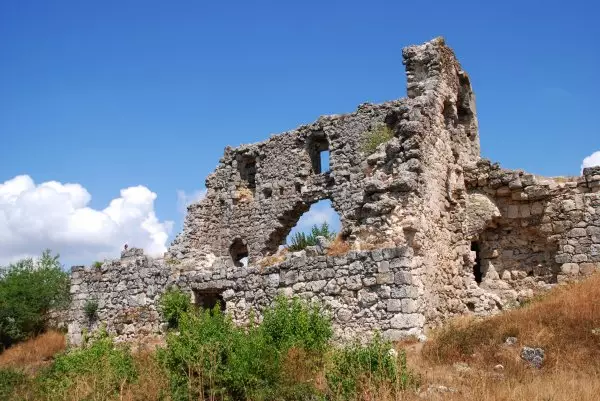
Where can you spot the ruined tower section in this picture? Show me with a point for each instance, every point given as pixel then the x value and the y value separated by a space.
pixel 259 191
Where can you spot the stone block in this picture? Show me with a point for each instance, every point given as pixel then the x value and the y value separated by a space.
pixel 384 278
pixel 403 278
pixel 407 321
pixel 394 305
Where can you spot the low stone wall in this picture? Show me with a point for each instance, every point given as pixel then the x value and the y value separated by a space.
pixel 127 292
pixel 364 291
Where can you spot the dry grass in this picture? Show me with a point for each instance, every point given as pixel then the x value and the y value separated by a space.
pixel 152 383
pixel 564 323
pixel 338 247
pixel 273 259
pixel 34 353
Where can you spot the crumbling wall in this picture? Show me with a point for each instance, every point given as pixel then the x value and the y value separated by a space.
pixel 547 230
pixel 435 231
pixel 363 291
pixel 126 291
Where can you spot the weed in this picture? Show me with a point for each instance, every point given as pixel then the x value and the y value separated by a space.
pixel 10 381
pixel 172 304
pixel 96 371
pixel 91 309
pixel 97 265
pixel 357 368
pixel 375 137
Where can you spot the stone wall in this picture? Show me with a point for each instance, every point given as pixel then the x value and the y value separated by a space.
pixel 434 230
pixel 126 290
pixel 363 291
pixel 543 231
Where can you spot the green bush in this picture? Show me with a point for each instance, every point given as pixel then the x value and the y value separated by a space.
pixel 300 240
pixel 107 365
pixel 291 322
pixel 375 137
pixel 211 356
pixel 10 381
pixel 97 264
pixel 91 309
pixel 28 291
pixel 172 304
pixel 357 367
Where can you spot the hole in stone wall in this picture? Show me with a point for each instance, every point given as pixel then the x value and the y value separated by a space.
pixel 318 149
pixel 247 170
pixel 208 299
pixel 281 191
pixel 318 213
pixel 239 253
pixel 477 272
pixel 267 192
pixel 471 306
pixel 464 102
pixel 298 187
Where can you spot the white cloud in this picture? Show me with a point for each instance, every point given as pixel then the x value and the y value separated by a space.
pixel 591 161
pixel 53 215
pixel 184 199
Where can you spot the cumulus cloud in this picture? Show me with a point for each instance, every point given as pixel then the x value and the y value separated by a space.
pixel 185 199
pixel 591 161
pixel 53 215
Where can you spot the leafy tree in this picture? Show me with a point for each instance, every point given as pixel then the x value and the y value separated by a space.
pixel 301 240
pixel 29 289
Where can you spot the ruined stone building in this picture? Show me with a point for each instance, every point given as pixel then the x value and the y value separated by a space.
pixel 432 229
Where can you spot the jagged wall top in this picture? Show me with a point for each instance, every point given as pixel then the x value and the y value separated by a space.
pixel 259 191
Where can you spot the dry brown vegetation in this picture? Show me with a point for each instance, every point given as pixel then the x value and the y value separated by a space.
pixel 33 353
pixel 459 362
pixel 338 247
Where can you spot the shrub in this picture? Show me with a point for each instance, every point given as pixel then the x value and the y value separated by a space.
pixel 196 354
pixel 97 264
pixel 172 304
pixel 210 356
pixel 91 309
pixel 10 381
pixel 28 291
pixel 357 368
pixel 103 366
pixel 291 322
pixel 375 137
pixel 301 240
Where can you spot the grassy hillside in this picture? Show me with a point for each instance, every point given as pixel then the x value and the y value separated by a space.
pixel 468 359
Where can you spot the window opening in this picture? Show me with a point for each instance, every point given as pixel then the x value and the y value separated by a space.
pixel 318 149
pixel 247 170
pixel 477 272
pixel 239 253
pixel 208 299
pixel 319 213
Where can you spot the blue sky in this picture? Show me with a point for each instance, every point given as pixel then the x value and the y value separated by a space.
pixel 118 94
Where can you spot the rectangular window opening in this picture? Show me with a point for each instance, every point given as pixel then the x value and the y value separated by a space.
pixel 208 299
pixel 477 271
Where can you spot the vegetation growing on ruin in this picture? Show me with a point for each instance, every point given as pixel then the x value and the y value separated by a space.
pixel 173 304
pixel 301 240
pixel 379 134
pixel 90 309
pixel 29 289
pixel 212 359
